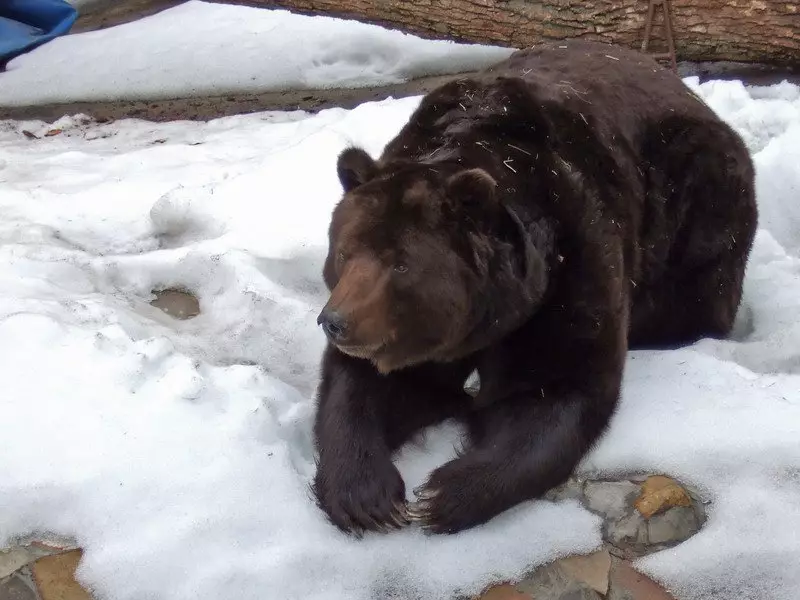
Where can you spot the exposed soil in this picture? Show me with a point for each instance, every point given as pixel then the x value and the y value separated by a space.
pixel 211 107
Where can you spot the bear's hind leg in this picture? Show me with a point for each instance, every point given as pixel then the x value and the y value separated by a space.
pixel 702 176
pixel 702 303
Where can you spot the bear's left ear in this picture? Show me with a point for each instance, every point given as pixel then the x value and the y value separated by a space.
pixel 355 167
pixel 474 189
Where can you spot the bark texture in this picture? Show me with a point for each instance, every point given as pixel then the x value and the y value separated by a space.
pixel 735 30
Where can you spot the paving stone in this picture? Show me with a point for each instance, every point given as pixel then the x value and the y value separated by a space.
pixel 571 490
pixel 16 588
pixel 555 582
pixel 545 582
pixel 579 593
pixel 503 592
pixel 660 493
pixel 628 534
pixel 179 304
pixel 591 569
pixel 626 583
pixel 55 577
pixel 14 558
pixel 674 526
pixel 611 499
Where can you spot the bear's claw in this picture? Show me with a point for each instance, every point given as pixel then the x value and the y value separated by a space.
pixel 457 496
pixel 423 492
pixel 370 501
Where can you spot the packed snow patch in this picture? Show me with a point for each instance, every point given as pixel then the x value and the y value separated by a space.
pixel 201 48
pixel 179 453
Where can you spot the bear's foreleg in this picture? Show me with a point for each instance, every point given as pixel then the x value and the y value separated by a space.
pixel 362 417
pixel 557 385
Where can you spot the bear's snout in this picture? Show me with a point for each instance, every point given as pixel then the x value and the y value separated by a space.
pixel 356 316
pixel 333 324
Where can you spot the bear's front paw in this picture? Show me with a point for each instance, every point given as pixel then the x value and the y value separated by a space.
pixel 362 497
pixel 458 495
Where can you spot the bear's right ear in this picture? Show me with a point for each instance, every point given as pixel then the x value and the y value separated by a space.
pixel 354 168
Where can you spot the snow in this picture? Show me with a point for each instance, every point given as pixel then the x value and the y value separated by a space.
pixel 189 52
pixel 178 453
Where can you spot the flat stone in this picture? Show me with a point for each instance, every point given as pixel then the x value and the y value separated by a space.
pixel 545 582
pixel 16 588
pixel 179 304
pixel 13 559
pixel 555 582
pixel 16 557
pixel 660 493
pixel 591 569
pixel 504 591
pixel 610 499
pixel 628 534
pixel 579 593
pixel 55 577
pixel 626 583
pixel 571 490
pixel 674 526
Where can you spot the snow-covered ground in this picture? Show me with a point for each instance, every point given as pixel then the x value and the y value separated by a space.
pixel 178 453
pixel 201 48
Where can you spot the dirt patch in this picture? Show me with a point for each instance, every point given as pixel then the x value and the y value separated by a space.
pixel 212 107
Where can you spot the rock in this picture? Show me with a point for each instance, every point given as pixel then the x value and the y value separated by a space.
pixel 597 576
pixel 13 559
pixel 630 506
pixel 674 526
pixel 591 569
pixel 660 493
pixel 504 591
pixel 571 490
pixel 628 534
pixel 16 588
pixel 179 304
pixel 626 583
pixel 579 593
pixel 16 557
pixel 610 499
pixel 55 577
pixel 554 582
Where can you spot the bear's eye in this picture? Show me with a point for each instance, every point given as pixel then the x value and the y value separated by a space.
pixel 401 268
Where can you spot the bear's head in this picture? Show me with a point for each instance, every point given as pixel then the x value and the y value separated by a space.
pixel 425 263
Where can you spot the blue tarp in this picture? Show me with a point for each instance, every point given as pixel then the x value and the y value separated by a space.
pixel 25 24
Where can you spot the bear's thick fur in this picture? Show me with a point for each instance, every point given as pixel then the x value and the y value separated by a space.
pixel 532 223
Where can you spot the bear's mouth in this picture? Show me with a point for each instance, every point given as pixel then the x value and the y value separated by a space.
pixel 361 351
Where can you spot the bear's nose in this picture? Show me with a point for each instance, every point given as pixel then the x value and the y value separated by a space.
pixel 333 324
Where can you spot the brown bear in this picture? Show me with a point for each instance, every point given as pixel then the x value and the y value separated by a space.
pixel 532 223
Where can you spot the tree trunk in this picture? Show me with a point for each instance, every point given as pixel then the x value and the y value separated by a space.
pixel 764 31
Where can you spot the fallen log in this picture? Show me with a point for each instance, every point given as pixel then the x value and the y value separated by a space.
pixel 762 31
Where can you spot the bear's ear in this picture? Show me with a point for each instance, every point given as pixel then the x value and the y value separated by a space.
pixel 355 167
pixel 473 189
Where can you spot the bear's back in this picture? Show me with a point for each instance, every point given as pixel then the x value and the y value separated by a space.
pixel 622 90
